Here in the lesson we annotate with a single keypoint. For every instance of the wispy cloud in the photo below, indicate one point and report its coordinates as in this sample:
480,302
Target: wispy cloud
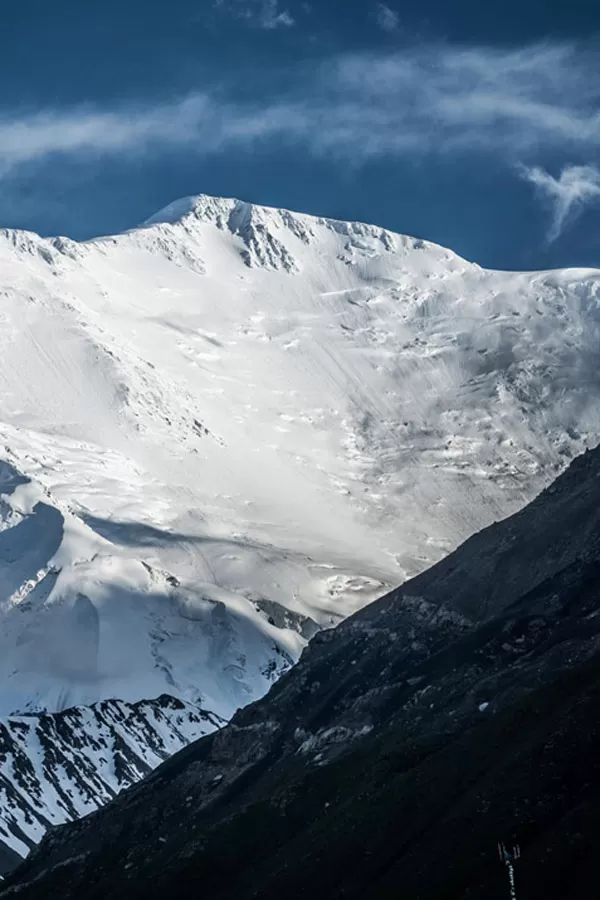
89,132
424,100
265,14
387,19
483,98
567,195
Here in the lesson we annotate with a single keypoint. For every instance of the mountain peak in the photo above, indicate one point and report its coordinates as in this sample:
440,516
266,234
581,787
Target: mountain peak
203,207
277,239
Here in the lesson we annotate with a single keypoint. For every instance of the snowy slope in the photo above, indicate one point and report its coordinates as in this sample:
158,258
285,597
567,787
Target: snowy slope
82,617
62,766
247,423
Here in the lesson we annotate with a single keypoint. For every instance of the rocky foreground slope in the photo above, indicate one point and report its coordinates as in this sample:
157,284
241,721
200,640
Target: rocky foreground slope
460,710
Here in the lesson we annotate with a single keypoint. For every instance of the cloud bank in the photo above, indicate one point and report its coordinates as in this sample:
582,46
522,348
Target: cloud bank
419,101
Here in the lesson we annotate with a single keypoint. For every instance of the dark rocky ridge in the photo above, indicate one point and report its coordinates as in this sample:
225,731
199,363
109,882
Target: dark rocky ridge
457,711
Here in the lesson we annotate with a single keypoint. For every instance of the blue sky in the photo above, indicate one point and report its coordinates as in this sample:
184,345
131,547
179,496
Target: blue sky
474,125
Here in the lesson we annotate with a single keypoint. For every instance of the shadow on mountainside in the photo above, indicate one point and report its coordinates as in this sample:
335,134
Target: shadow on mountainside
139,534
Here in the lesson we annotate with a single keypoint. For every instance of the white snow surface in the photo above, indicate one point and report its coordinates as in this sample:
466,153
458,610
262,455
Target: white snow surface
235,425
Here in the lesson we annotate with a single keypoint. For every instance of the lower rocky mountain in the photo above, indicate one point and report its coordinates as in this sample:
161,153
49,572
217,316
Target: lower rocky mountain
58,767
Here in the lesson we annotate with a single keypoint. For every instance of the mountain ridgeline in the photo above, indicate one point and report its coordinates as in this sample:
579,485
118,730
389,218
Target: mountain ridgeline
56,767
458,711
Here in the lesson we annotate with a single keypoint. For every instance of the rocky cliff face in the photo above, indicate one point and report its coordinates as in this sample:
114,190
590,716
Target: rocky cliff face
59,767
457,711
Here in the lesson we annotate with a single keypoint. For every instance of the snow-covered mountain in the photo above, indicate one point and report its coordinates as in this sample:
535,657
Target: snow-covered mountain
235,424
59,767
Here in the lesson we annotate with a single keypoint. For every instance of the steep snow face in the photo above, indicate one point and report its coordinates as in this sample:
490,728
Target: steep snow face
59,767
241,424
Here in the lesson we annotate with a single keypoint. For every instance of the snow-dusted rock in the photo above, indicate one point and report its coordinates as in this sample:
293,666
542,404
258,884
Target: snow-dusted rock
58,767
